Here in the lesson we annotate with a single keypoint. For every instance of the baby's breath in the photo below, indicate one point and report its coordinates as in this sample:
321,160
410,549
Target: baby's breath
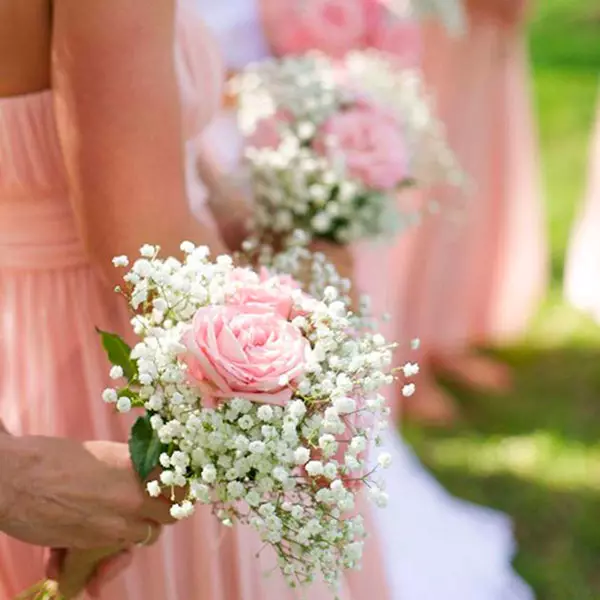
293,471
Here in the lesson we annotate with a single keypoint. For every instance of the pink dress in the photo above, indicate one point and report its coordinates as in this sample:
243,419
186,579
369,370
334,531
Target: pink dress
479,277
53,368
582,277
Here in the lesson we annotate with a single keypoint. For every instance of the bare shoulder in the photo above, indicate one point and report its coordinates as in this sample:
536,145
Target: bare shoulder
25,42
132,17
29,28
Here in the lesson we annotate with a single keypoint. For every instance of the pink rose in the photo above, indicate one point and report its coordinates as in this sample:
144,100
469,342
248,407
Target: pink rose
243,275
234,351
263,298
285,281
334,27
304,304
263,292
266,292
370,143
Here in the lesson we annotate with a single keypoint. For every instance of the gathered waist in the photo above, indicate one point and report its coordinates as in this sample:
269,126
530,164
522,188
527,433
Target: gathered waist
39,235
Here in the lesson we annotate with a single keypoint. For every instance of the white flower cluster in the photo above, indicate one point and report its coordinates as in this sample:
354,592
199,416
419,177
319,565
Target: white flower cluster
290,470
284,106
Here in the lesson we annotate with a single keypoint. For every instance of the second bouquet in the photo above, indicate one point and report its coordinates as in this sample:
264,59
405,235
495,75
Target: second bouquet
330,145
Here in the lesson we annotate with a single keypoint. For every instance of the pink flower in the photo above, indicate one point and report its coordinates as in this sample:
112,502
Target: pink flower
234,351
370,143
267,133
286,281
332,26
335,26
304,303
243,275
262,298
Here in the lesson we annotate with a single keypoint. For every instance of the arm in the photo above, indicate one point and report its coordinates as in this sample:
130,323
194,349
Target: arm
119,119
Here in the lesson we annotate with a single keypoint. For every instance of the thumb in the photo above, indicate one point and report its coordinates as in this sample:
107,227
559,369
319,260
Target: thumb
54,561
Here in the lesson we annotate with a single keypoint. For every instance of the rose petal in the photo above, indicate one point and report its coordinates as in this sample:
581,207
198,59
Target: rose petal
208,370
229,346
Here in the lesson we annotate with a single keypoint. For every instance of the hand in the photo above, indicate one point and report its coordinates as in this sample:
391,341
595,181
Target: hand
106,571
60,493
506,12
232,212
228,203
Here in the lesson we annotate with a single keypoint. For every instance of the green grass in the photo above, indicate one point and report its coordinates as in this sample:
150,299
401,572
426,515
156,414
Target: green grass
535,453
565,49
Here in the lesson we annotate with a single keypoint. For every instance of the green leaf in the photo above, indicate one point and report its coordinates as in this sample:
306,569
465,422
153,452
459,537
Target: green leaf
144,447
119,353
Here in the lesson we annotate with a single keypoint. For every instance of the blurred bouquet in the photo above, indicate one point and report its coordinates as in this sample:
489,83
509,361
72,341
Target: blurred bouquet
260,400
330,144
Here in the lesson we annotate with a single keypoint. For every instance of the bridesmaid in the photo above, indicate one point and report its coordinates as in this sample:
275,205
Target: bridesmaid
582,281
92,166
433,546
78,185
477,279
251,30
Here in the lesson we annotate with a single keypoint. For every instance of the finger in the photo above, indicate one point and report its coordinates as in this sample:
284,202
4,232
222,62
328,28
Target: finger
54,562
131,532
107,571
158,509
153,533
143,533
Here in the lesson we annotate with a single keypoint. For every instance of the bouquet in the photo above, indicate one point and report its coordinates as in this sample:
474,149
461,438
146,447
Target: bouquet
330,144
258,399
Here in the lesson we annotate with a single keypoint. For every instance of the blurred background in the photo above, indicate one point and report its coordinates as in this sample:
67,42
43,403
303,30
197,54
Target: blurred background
535,453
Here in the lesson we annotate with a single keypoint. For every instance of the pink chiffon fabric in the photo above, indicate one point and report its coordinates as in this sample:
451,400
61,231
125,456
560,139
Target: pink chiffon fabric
53,369
582,276
478,277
